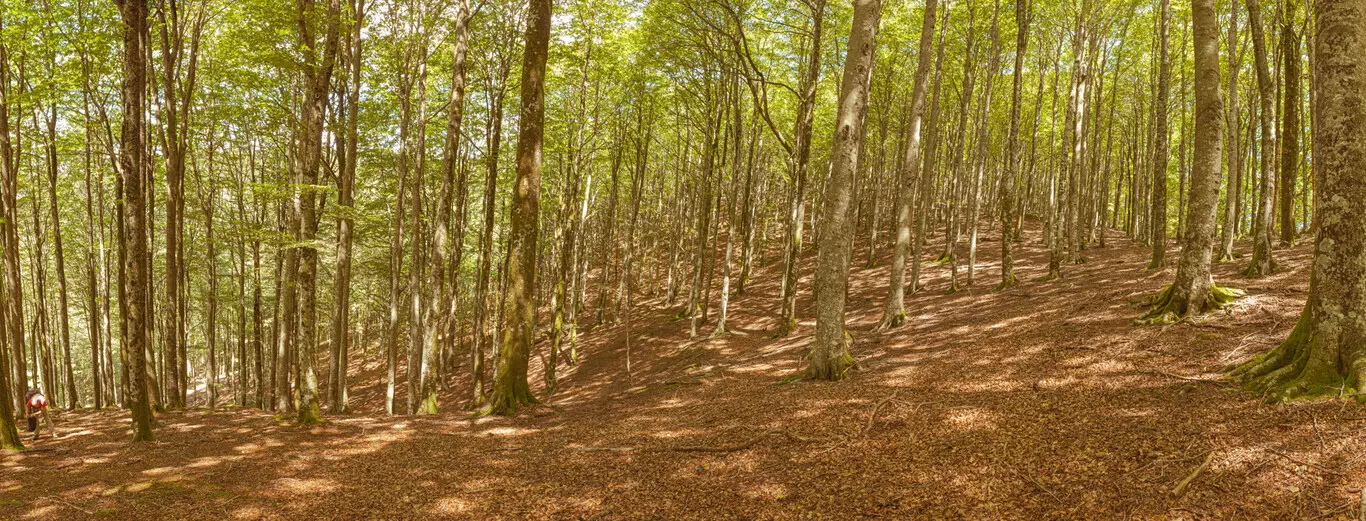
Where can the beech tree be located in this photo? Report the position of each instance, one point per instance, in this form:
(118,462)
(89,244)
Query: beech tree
(1321,356)
(830,358)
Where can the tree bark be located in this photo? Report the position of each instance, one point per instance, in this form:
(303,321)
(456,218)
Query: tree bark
(134,232)
(510,389)
(1323,354)
(830,358)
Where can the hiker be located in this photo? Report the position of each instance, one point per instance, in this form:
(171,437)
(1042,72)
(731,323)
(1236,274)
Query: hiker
(36,403)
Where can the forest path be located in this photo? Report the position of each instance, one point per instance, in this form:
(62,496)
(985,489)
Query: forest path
(1041,402)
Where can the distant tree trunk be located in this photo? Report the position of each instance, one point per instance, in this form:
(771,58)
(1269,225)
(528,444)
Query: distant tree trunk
(1234,150)
(1023,17)
(68,375)
(510,389)
(92,306)
(1194,290)
(830,358)
(134,232)
(1161,135)
(806,108)
(497,85)
(437,290)
(924,193)
(346,180)
(1262,262)
(1323,355)
(395,278)
(211,334)
(980,158)
(417,152)
(894,310)
(1290,122)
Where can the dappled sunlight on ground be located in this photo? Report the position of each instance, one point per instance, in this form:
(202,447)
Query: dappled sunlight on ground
(1044,401)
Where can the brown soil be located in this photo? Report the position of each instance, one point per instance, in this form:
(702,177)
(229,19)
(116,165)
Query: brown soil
(1041,402)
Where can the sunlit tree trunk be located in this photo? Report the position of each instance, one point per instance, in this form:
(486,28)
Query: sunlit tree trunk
(510,389)
(830,358)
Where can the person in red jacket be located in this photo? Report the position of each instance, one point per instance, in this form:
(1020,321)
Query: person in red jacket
(36,404)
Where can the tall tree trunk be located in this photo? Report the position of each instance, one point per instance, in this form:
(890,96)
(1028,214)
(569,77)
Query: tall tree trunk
(1023,17)
(1234,150)
(346,180)
(830,358)
(1262,262)
(894,310)
(806,109)
(510,389)
(317,77)
(1194,290)
(134,232)
(1290,122)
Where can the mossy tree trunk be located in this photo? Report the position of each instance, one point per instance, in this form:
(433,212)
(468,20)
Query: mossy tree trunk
(510,389)
(1325,353)
(1194,291)
(830,358)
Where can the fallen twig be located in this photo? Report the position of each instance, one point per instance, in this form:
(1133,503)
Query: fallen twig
(1181,487)
(602,449)
(64,502)
(736,447)
(1292,459)
(872,415)
(1212,381)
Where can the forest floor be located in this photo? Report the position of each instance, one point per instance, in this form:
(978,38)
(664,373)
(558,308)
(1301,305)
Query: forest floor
(1040,402)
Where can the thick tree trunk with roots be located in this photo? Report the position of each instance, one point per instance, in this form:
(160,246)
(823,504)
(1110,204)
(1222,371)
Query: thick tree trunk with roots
(1194,290)
(830,358)
(1324,354)
(1008,185)
(510,389)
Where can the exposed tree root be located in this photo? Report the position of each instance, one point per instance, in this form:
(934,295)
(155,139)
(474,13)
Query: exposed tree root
(890,320)
(1166,309)
(1293,371)
(1008,283)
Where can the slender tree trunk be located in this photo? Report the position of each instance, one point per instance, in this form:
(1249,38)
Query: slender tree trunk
(1262,261)
(1290,121)
(806,108)
(1023,17)
(830,358)
(894,310)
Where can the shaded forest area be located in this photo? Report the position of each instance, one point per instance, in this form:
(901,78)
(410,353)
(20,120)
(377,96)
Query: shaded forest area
(687,259)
